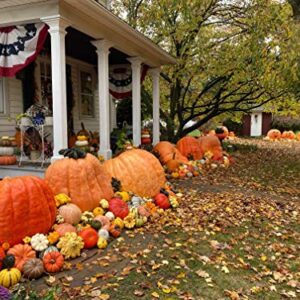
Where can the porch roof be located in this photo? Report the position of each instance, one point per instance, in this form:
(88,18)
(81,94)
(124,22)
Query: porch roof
(89,17)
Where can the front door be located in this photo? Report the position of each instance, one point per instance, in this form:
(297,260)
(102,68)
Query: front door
(256,124)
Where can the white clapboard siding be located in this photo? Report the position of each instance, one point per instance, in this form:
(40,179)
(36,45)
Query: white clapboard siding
(15,100)
(14,106)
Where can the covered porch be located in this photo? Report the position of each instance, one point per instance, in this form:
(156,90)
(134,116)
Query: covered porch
(106,40)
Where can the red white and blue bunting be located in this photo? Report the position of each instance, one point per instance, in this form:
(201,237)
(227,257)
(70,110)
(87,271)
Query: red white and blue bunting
(120,80)
(19,46)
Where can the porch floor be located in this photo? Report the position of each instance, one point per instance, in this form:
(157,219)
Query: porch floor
(33,169)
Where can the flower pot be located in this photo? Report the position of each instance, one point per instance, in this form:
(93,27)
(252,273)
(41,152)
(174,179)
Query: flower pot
(25,121)
(48,121)
(35,154)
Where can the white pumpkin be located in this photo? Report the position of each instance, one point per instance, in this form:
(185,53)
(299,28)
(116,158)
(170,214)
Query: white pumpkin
(110,216)
(39,242)
(6,151)
(103,233)
(81,143)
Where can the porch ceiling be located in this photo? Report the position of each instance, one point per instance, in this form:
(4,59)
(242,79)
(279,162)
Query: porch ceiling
(92,19)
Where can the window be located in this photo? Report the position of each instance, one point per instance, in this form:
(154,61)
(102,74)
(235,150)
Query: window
(46,83)
(2,97)
(86,94)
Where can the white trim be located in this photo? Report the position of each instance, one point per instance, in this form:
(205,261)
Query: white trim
(90,70)
(4,98)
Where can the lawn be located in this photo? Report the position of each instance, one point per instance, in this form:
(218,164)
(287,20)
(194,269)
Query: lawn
(236,235)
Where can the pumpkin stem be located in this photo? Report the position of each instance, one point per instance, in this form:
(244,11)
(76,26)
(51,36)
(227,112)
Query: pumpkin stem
(116,184)
(72,153)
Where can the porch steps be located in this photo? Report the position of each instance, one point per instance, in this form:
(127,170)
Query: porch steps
(15,170)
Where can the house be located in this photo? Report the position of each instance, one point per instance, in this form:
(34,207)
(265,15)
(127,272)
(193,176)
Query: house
(80,41)
(256,123)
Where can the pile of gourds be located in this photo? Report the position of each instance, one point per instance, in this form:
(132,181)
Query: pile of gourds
(7,149)
(79,205)
(276,135)
(190,156)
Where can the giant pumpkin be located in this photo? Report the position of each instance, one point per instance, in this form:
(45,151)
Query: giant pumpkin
(189,147)
(81,177)
(138,170)
(211,144)
(166,152)
(274,134)
(289,135)
(27,207)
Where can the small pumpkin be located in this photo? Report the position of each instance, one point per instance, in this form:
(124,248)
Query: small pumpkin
(140,221)
(70,245)
(104,203)
(2,255)
(144,211)
(33,268)
(119,222)
(53,262)
(110,216)
(89,237)
(8,160)
(162,201)
(105,222)
(8,261)
(22,253)
(115,230)
(61,199)
(53,237)
(123,195)
(39,242)
(98,211)
(96,224)
(9,277)
(64,228)
(71,213)
(4,293)
(129,221)
(48,250)
(102,243)
(118,207)
(173,164)
(103,233)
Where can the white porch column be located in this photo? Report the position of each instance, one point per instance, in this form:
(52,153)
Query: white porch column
(57,26)
(113,114)
(136,64)
(103,90)
(155,73)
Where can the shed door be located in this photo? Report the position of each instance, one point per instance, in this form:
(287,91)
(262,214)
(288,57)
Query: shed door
(256,124)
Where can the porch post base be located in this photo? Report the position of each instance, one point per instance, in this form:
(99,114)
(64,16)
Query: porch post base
(54,158)
(107,154)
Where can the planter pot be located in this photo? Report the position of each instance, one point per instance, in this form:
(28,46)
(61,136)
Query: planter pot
(48,121)
(25,121)
(35,154)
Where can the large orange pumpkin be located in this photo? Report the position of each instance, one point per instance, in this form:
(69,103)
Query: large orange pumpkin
(212,144)
(166,152)
(189,147)
(138,170)
(81,177)
(8,160)
(274,134)
(289,135)
(22,253)
(27,207)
